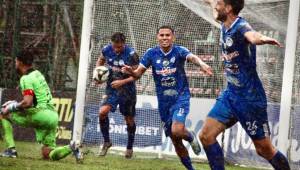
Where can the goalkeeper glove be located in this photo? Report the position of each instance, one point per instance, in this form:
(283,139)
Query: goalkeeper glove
(10,106)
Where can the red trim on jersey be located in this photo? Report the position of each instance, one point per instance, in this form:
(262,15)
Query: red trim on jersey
(28,92)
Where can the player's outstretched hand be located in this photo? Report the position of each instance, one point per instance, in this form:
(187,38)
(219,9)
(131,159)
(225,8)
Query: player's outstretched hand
(8,102)
(127,69)
(271,41)
(117,84)
(8,107)
(207,69)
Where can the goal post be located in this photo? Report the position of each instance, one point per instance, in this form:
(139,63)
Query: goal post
(82,70)
(288,77)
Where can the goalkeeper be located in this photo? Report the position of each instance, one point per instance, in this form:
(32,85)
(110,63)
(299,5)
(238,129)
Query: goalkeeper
(35,110)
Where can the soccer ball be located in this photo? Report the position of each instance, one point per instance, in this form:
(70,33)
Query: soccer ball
(100,74)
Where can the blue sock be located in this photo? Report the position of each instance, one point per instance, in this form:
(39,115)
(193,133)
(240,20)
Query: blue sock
(186,161)
(215,156)
(279,162)
(131,134)
(104,126)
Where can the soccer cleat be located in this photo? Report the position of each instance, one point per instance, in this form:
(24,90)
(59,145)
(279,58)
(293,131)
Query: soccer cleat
(128,153)
(195,144)
(105,148)
(75,145)
(10,152)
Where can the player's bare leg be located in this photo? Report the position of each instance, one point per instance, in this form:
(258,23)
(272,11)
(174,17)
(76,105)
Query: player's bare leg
(131,127)
(182,152)
(179,130)
(104,125)
(265,149)
(211,129)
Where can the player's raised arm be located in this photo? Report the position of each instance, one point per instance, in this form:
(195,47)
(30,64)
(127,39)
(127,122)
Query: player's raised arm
(197,61)
(258,39)
(136,73)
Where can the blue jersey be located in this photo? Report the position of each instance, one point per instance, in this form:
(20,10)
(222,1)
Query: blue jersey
(240,63)
(115,62)
(168,71)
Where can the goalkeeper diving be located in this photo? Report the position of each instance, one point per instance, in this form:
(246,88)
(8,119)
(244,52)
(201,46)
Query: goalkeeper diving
(36,110)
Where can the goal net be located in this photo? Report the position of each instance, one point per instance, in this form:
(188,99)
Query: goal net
(196,30)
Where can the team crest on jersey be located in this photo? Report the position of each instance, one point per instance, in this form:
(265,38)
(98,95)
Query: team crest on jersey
(228,42)
(166,63)
(121,62)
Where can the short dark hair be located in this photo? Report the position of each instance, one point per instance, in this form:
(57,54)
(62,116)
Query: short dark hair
(165,27)
(118,37)
(25,56)
(237,5)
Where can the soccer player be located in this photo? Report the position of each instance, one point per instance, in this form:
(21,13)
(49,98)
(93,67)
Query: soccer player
(167,61)
(36,110)
(244,98)
(120,89)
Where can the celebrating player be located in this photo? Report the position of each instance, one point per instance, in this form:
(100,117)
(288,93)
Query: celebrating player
(244,99)
(36,110)
(167,61)
(120,89)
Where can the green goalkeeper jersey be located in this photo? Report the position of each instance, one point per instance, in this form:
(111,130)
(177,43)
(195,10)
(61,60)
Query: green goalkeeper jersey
(34,83)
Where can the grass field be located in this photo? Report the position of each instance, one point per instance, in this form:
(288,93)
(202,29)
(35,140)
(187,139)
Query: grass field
(29,158)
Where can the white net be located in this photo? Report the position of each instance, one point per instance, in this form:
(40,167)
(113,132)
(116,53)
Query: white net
(138,20)
(196,30)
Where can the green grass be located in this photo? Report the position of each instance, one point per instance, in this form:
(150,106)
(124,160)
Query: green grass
(29,159)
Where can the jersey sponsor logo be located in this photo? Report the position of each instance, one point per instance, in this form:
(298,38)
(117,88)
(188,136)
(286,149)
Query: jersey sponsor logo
(158,61)
(232,68)
(230,56)
(115,69)
(233,80)
(166,71)
(170,92)
(168,81)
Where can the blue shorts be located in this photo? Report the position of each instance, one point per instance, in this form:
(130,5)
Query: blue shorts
(252,115)
(172,111)
(126,103)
